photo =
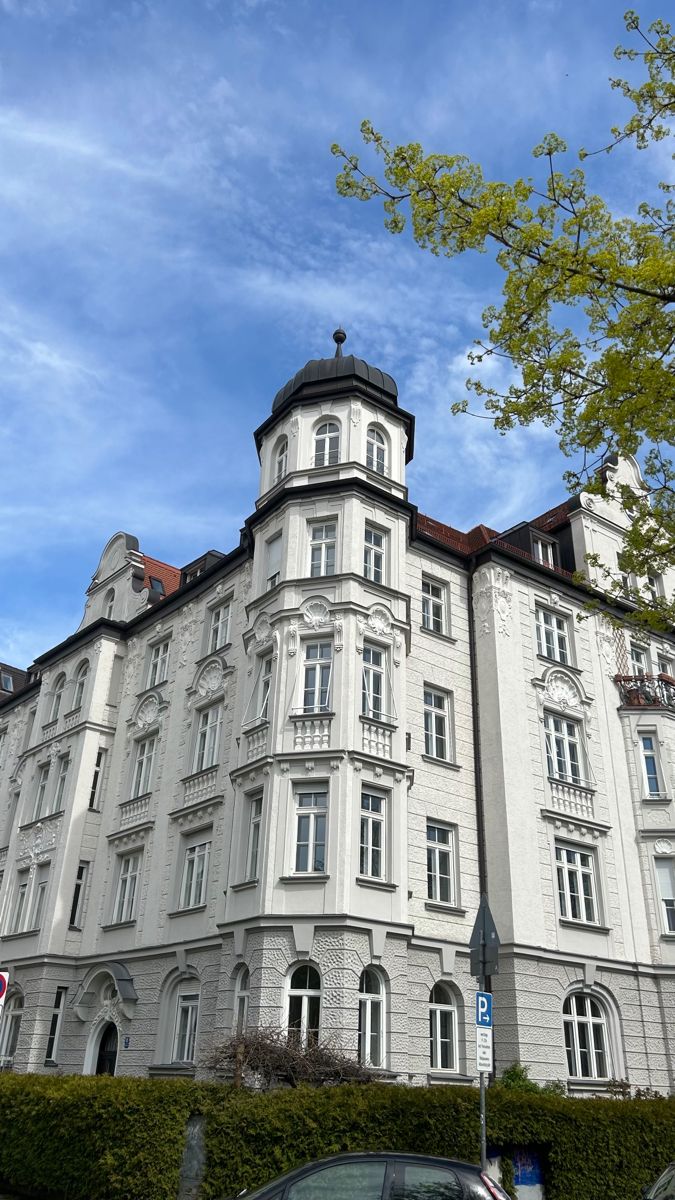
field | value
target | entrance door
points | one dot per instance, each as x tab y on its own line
107	1050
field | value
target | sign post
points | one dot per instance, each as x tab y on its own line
484	951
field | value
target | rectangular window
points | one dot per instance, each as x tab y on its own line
373	683
318	668
372	840
265	686
310	842
576	884
40	807
187	1014
373	554
543	551
322	555
159	663
61	778
638	660
440	863
665	666
96	781
208	738
436	742
552	636
273	555
433	606
665	874
219	634
77	907
652	778
129	867
195	875
145	758
254	830
563	749
655	586
55	1024
20	903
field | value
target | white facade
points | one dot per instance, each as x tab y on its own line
275	793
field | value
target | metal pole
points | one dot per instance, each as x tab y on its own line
483	1119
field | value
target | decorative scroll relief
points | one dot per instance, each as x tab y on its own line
54	752
210	680
247	577
294	427
355	413
492	600
560	690
316	614
185	634
148	713
378	622
663	846
36	845
131	667
605	638
657	816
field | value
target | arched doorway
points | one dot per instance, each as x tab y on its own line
107	1050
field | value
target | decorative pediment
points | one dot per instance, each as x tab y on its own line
148	714
562	690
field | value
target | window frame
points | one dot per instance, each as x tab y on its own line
651	753
553	633
330	435
79	895
577	894
280	462
543	551
254	836
158	662
667	903
97	777
216	640
573	1050
241	1000
55	1025
194	880
207	737
10	1026
141	780
435	850
57	698
316	680
273	559
60	783
373	850
557	739
312	817
432	714
29	900
305	995
639	660
376	450
126	898
323	563
188	997
438	1008
374	676
81	677
41	802
431	603
372	1004
374	554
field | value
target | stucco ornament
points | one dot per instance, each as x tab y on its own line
355	413
605	638
36	845
292	639
379	621
657	816
492	600
211	679
663	846
148	713
294	427
54	751
561	691
131	666
316	614
185	634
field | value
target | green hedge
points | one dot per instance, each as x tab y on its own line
122	1139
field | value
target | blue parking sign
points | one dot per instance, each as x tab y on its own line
484	1009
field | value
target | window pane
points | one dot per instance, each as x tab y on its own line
425	1183
345	1181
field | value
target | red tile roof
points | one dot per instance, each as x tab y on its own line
464	543
555	516
170	576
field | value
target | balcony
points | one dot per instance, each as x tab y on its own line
256	741
376	738
311	731
72	719
646	691
201	786
573	799
132	812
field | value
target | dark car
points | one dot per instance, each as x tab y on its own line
383	1176
664	1188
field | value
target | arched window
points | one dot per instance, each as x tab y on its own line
58	697
371	1019
327	444
281	460
304	1005
376	450
80	681
586	1037
442	1029
242	991
187	1018
109	604
10	1027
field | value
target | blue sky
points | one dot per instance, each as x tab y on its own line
172	249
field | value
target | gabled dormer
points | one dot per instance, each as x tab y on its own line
126	581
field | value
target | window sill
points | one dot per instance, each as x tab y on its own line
183	912
439	906
661	798
309	877
184	1070
41	820
589	926
566	666
245	883
668	937
441	762
118	925
254	725
439	1075
50	726
210	653
381	722
587	1085
9	937
381	884
579	785
442	637
327	714
74	712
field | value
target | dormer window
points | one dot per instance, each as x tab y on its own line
543	551
327	445
156	585
376	451
281	460
109	604
6	682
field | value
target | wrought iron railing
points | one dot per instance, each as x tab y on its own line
650	691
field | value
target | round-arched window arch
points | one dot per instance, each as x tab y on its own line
376	450
281	459
304	1005
371	1019
57	697
242	992
442	1029
327	444
80	683
587	1042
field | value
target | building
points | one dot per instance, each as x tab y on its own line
271	786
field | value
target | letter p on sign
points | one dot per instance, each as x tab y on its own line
484	1009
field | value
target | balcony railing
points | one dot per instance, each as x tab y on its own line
376	738
311	731
201	786
134	811
646	691
574	799
256	741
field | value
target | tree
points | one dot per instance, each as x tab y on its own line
268	1057
588	305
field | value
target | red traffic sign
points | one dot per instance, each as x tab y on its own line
4	982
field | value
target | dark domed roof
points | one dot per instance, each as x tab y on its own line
320	370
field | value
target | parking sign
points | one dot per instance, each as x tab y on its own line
484	1009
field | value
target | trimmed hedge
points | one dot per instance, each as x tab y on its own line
89	1138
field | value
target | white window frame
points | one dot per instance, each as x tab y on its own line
322	548
441	862
577	883
10	1028
372	1010
442	1009
374	554
79	895
376	450
30	898
651	766
57	698
433	605
258	705
55	1025
254	836
665	665
109	603
144	766
186	1023
317	677
60	785
654	585
129	866
553	637
595	1023
373	833
281	460
305	995
242	996
208	728
374	682
665	880
80	684
639	660
219	626
542	551
437	723
273	549
195	873
99	769
311	830
41	803
327	444
158	663
565	749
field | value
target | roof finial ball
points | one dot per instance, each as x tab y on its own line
339	337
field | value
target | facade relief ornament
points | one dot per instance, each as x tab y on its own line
663	846
657	816
185	633
339	631
148	713
247	577
211	679
294	426
36	845
262	630
131	666
561	691
605	638
355	413
292	639
492	600
316	614
54	751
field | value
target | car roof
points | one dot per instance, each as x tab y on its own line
359	1155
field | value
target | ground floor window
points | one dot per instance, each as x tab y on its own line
442	1029
586	1037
